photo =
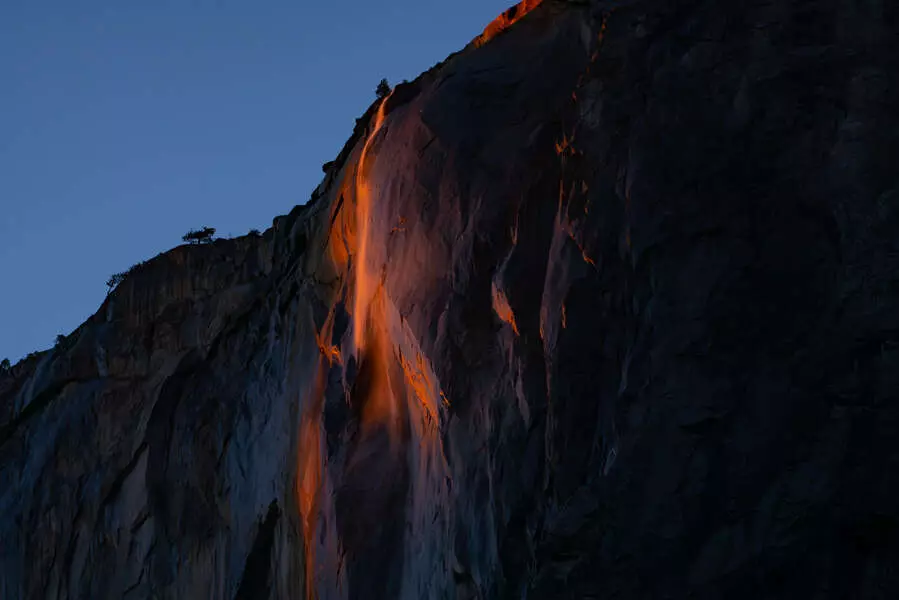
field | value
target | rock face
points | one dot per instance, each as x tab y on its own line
606	305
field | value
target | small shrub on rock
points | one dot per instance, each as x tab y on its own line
383	89
199	236
114	280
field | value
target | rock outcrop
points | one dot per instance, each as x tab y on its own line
605	305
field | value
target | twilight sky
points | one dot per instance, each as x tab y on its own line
124	123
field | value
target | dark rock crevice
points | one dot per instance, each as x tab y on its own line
256	579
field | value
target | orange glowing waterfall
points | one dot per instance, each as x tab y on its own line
395	386
365	279
368	340
370	337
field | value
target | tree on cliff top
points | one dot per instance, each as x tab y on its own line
199	236
114	280
4	365
383	89
62	342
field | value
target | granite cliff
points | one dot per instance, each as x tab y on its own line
606	305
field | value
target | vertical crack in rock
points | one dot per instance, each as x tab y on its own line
255	581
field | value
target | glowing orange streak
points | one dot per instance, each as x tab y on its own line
502	308
564	145
309	478
310	472
417	378
328	350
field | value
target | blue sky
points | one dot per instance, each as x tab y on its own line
124	123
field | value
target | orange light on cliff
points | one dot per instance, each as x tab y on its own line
417	378
563	146
400	227
502	308
309	472
506	20
330	351
381	405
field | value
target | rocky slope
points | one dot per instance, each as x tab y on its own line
605	305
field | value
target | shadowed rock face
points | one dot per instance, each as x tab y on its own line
606	305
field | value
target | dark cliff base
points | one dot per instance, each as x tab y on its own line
629	328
